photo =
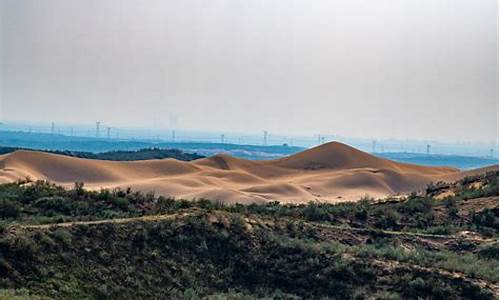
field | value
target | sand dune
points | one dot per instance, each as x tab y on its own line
331	172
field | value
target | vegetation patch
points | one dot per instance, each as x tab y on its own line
114	244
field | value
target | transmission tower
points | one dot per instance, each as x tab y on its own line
265	138
428	149
97	129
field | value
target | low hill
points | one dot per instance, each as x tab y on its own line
331	172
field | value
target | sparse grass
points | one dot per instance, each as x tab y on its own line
20	294
466	263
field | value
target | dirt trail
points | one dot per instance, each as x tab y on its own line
403	234
149	218
152	218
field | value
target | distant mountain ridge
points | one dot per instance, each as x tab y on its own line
119	155
58	142
457	161
63	144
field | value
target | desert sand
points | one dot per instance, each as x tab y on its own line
332	172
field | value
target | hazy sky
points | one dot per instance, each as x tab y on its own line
420	69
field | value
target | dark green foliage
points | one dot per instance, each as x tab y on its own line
486	221
386	219
41	201
489	252
121	155
314	212
451	205
486	218
416	205
9	209
62	235
142	154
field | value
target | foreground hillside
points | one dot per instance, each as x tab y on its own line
332	172
79	244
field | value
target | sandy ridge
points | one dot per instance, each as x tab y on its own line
331	172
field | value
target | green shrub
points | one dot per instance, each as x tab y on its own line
79	189
416	205
9	209
486	218
62	235
121	203
386	219
315	212
56	204
489	252
22	246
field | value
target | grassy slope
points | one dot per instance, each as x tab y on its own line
416	247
